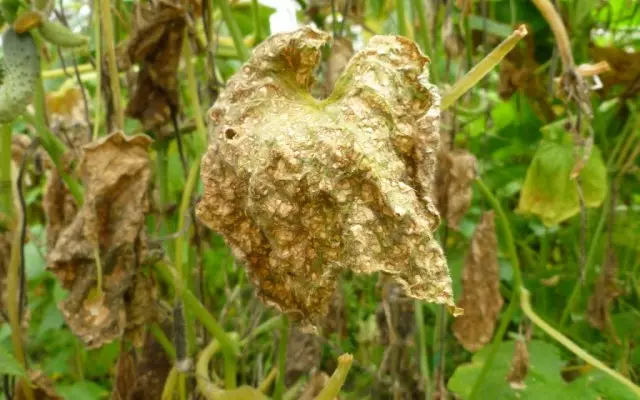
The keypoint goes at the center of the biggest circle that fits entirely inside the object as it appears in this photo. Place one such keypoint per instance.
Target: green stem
(282, 358)
(590, 256)
(525, 304)
(207, 388)
(402, 18)
(109, 42)
(423, 32)
(495, 345)
(191, 302)
(423, 357)
(6, 181)
(236, 34)
(163, 340)
(193, 95)
(98, 39)
(517, 284)
(13, 288)
(482, 68)
(170, 385)
(332, 388)
(257, 26)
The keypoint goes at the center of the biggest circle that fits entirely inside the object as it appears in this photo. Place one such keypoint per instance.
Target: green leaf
(550, 193)
(82, 390)
(9, 365)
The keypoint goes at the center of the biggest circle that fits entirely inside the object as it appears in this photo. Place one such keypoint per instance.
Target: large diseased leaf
(304, 189)
(550, 193)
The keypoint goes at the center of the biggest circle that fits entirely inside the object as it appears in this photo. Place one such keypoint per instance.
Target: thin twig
(114, 80)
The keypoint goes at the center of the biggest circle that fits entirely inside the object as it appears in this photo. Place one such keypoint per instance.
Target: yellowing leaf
(550, 193)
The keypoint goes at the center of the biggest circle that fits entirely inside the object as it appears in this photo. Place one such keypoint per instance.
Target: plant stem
(482, 68)
(402, 18)
(525, 304)
(163, 340)
(6, 180)
(592, 251)
(236, 34)
(193, 95)
(114, 80)
(282, 358)
(495, 345)
(332, 388)
(98, 39)
(191, 302)
(423, 356)
(170, 385)
(506, 231)
(207, 388)
(257, 26)
(418, 6)
(517, 284)
(13, 289)
(559, 31)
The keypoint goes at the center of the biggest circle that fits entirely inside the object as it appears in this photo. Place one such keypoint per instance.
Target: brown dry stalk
(554, 20)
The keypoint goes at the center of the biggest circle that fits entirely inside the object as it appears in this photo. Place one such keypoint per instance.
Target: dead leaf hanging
(604, 293)
(454, 179)
(155, 44)
(481, 299)
(303, 189)
(116, 174)
(519, 365)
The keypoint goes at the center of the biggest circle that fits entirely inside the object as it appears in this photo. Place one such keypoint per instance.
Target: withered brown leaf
(519, 365)
(481, 297)
(304, 353)
(454, 178)
(42, 387)
(302, 189)
(110, 223)
(605, 292)
(155, 44)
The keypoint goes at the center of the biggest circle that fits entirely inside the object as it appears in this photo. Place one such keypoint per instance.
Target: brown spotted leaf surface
(155, 44)
(454, 179)
(303, 190)
(110, 223)
(481, 299)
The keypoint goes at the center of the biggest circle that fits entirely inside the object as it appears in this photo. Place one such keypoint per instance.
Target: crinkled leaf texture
(304, 189)
(550, 193)
(543, 382)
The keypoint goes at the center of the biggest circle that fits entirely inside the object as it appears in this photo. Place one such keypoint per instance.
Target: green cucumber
(21, 69)
(60, 35)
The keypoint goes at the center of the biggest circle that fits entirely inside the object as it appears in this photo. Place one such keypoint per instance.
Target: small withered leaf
(41, 387)
(155, 44)
(454, 179)
(605, 292)
(481, 299)
(304, 353)
(110, 225)
(303, 190)
(519, 365)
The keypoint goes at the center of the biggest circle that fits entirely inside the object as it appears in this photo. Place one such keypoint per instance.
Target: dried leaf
(302, 190)
(155, 44)
(519, 366)
(624, 68)
(395, 314)
(42, 387)
(454, 178)
(604, 293)
(59, 207)
(125, 377)
(116, 174)
(481, 297)
(153, 366)
(304, 353)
